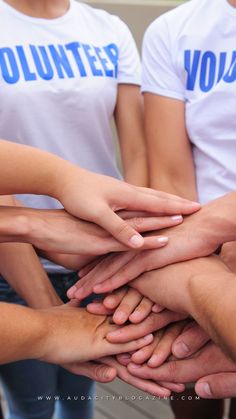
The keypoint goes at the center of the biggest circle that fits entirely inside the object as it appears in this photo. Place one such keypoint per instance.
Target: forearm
(72, 262)
(135, 169)
(212, 302)
(37, 171)
(170, 160)
(219, 217)
(23, 333)
(21, 268)
(173, 182)
(130, 129)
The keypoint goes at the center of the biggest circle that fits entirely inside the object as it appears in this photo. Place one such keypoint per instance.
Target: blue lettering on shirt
(46, 62)
(205, 69)
(8, 64)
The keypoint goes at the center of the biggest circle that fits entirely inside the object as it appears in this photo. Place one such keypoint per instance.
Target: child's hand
(125, 304)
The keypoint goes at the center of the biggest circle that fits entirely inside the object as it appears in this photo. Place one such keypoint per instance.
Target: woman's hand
(74, 335)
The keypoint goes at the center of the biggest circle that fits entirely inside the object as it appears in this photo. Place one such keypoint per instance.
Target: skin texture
(100, 193)
(209, 360)
(39, 333)
(212, 225)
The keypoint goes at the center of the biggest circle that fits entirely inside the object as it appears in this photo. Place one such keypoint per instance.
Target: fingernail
(79, 293)
(135, 366)
(136, 241)
(162, 239)
(97, 289)
(181, 349)
(120, 316)
(205, 389)
(148, 337)
(114, 334)
(109, 301)
(136, 315)
(177, 218)
(156, 308)
(153, 360)
(71, 291)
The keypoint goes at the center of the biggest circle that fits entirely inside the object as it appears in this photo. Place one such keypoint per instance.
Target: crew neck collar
(228, 7)
(38, 20)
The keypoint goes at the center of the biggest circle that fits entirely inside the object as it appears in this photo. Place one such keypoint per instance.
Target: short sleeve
(129, 68)
(158, 73)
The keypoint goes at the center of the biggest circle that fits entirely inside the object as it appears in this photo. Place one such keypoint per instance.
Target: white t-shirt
(58, 84)
(189, 54)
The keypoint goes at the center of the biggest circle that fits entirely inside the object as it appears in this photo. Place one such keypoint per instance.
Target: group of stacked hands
(175, 298)
(167, 315)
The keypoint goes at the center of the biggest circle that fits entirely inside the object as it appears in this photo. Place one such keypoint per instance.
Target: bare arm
(84, 194)
(20, 266)
(203, 288)
(40, 334)
(169, 149)
(129, 123)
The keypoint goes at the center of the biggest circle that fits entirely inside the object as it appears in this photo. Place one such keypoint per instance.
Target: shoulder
(174, 21)
(102, 18)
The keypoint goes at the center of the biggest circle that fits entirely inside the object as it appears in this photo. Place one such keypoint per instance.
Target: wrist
(65, 176)
(220, 218)
(14, 223)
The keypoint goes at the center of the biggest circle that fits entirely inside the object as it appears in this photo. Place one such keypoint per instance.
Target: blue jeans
(35, 389)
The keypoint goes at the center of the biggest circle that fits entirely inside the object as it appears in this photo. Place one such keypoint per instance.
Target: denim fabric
(35, 389)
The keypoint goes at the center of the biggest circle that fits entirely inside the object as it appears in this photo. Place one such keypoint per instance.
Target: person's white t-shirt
(189, 54)
(58, 84)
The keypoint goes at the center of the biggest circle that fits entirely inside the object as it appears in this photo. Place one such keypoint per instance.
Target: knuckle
(123, 229)
(136, 222)
(172, 371)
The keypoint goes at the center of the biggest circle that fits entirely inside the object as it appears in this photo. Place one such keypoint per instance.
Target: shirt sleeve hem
(163, 92)
(129, 80)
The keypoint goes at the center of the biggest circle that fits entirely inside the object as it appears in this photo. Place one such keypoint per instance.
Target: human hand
(149, 386)
(97, 198)
(87, 341)
(160, 349)
(217, 386)
(125, 304)
(58, 231)
(209, 360)
(97, 371)
(190, 340)
(152, 323)
(195, 237)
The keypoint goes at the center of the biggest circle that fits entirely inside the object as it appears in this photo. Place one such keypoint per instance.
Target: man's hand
(149, 386)
(97, 371)
(209, 360)
(191, 340)
(217, 386)
(169, 286)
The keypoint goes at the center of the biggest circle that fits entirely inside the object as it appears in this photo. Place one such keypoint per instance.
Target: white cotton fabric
(189, 54)
(58, 85)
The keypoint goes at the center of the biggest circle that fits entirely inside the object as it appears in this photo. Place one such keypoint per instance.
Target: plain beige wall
(138, 15)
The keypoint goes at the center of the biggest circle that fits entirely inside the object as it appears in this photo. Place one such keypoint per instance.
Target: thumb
(217, 386)
(96, 371)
